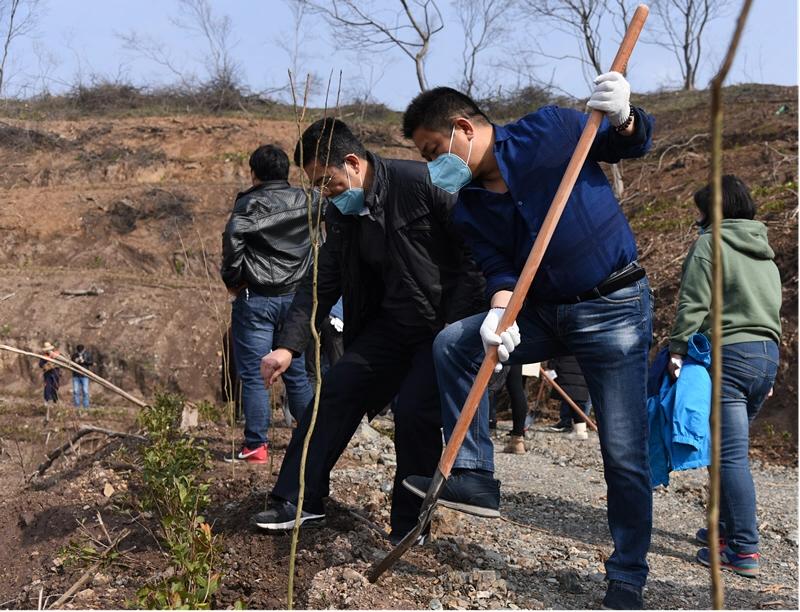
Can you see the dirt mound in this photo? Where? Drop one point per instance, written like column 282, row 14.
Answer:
column 157, row 204
column 24, row 139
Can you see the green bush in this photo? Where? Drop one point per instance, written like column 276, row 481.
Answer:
column 172, row 491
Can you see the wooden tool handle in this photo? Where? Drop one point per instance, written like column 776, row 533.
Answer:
column 571, row 403
column 539, row 247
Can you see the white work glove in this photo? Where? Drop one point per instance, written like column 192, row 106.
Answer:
column 612, row 95
column 505, row 342
column 675, row 365
column 337, row 324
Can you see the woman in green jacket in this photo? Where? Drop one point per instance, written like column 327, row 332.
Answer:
column 751, row 329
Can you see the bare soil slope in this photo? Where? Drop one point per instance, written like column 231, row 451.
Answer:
column 135, row 207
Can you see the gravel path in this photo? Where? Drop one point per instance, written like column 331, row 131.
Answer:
column 548, row 550
column 558, row 486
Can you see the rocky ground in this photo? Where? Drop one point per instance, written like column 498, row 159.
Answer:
column 546, row 552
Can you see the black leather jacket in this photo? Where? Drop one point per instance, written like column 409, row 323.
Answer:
column 429, row 259
column 266, row 244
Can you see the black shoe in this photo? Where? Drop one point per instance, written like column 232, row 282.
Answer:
column 622, row 596
column 561, row 427
column 280, row 516
column 467, row 491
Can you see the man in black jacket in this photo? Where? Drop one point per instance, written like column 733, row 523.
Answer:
column 392, row 254
column 266, row 251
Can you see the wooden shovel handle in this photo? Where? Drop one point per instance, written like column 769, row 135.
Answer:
column 539, row 247
column 570, row 402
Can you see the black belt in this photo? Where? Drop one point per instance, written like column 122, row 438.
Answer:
column 265, row 291
column 621, row 278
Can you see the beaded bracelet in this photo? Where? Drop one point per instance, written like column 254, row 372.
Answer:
column 623, row 126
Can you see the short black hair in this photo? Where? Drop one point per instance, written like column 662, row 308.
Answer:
column 436, row 108
column 737, row 203
column 79, row 348
column 270, row 163
column 315, row 141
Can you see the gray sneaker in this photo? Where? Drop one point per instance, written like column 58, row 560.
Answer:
column 281, row 515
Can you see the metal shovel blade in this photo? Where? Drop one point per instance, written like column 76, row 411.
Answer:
column 425, row 514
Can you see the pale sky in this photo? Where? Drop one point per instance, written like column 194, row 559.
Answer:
column 76, row 39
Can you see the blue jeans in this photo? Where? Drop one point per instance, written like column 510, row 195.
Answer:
column 748, row 373
column 80, row 386
column 254, row 320
column 610, row 337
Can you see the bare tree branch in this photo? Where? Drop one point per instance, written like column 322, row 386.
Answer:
column 358, row 24
column 483, row 22
column 680, row 26
column 17, row 19
column 158, row 53
column 578, row 18
column 222, row 85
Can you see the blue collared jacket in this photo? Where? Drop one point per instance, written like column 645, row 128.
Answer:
column 679, row 415
column 593, row 238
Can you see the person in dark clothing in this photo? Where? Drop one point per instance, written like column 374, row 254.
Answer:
column 331, row 337
column 51, row 373
column 80, row 382
column 515, row 386
column 570, row 378
column 266, row 251
column 392, row 255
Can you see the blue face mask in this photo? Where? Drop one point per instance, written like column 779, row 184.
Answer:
column 449, row 172
column 350, row 202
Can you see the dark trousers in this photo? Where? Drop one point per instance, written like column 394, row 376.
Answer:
column 515, row 386
column 519, row 403
column 331, row 344
column 52, row 381
column 384, row 361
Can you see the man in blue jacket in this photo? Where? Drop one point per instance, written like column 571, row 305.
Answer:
column 590, row 298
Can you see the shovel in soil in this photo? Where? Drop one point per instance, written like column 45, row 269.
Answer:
column 512, row 309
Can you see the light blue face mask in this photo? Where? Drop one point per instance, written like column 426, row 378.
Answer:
column 350, row 202
column 449, row 171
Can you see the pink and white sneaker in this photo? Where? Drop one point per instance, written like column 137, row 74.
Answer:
column 256, row 455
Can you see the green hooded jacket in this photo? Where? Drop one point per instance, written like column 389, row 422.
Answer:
column 751, row 288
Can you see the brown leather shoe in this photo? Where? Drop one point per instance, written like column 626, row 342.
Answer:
column 515, row 445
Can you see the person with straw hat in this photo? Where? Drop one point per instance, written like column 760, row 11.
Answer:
column 51, row 373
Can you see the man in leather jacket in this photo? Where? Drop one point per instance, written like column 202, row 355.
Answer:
column 394, row 257
column 266, row 251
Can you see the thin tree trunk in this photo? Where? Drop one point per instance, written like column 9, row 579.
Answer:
column 617, row 182
column 717, row 592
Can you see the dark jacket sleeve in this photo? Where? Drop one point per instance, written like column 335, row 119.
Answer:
column 468, row 295
column 233, row 248
column 296, row 331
